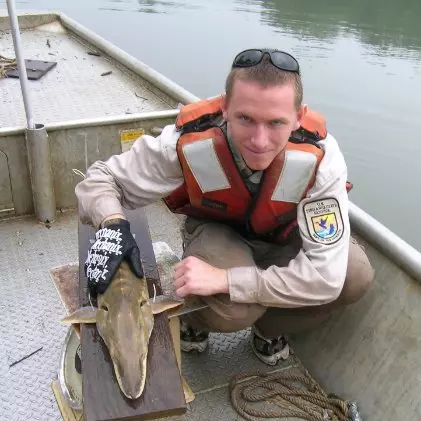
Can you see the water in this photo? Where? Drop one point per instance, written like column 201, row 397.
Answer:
column 361, row 64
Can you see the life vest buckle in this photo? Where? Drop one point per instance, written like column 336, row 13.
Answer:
column 302, row 135
column 201, row 124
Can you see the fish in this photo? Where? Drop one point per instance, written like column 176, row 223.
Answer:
column 124, row 319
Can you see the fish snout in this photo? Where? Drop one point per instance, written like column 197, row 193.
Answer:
column 132, row 391
column 132, row 380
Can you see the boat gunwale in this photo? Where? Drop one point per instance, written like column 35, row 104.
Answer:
column 95, row 122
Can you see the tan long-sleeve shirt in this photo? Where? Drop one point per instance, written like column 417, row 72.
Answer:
column 150, row 170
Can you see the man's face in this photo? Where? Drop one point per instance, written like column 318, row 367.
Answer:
column 260, row 121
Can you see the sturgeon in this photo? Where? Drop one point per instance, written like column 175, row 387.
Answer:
column 125, row 319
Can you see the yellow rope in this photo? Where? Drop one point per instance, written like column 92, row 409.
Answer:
column 6, row 64
column 287, row 395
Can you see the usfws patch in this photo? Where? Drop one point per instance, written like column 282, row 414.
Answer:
column 324, row 220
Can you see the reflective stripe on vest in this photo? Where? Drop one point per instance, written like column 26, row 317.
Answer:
column 204, row 164
column 296, row 174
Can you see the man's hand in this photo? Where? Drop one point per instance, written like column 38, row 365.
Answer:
column 113, row 244
column 196, row 277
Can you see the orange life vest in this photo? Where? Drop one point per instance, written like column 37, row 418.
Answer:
column 214, row 189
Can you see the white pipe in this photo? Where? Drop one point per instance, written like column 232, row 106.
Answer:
column 398, row 250
column 97, row 121
column 21, row 63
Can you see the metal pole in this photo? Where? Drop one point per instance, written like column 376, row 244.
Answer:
column 37, row 143
column 21, row 63
column 42, row 180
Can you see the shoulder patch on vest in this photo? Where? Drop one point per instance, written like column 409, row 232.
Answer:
column 324, row 220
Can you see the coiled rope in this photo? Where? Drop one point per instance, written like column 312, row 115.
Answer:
column 291, row 395
column 6, row 64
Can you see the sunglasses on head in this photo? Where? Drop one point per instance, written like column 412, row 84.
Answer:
column 279, row 59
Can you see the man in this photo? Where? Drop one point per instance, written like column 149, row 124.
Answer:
column 267, row 237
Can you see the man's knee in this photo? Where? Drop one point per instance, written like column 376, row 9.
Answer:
column 359, row 276
column 217, row 244
column 224, row 315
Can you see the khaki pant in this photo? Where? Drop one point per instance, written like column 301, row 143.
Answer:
column 222, row 247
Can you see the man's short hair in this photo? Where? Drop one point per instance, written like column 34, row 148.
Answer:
column 266, row 75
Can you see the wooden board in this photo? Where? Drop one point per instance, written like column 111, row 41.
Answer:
column 66, row 281
column 68, row 413
column 163, row 394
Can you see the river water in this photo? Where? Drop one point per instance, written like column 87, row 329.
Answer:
column 361, row 65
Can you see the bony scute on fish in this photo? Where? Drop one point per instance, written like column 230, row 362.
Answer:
column 124, row 319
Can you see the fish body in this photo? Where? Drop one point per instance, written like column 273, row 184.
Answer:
column 125, row 320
